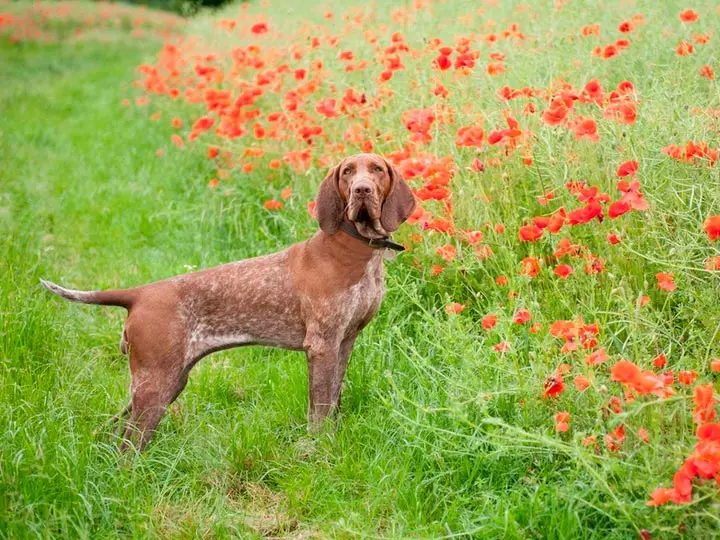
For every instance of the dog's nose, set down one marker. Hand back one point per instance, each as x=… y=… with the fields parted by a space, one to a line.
x=362 y=189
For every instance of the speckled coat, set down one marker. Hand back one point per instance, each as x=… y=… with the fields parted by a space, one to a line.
x=315 y=296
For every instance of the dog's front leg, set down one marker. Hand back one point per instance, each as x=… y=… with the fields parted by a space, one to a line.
x=323 y=359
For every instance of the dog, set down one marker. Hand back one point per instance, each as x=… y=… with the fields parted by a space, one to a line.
x=315 y=296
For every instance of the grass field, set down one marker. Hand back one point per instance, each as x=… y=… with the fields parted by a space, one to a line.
x=448 y=426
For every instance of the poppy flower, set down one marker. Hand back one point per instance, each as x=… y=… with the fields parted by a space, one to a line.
x=530 y=267
x=447 y=252
x=470 y=136
x=618 y=208
x=259 y=28
x=596 y=358
x=712 y=264
x=582 y=383
x=643 y=435
x=613 y=239
x=503 y=346
x=659 y=361
x=521 y=316
x=556 y=114
x=454 y=308
x=272 y=204
x=715 y=365
x=712 y=227
x=685 y=48
x=489 y=321
x=562 y=421
x=704 y=398
x=689 y=16
x=687 y=377
x=628 y=168
x=530 y=233
x=665 y=281
x=585 y=128
x=554 y=386
x=707 y=72
x=563 y=270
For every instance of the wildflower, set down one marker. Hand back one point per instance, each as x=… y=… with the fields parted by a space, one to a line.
x=554 y=386
x=562 y=421
x=563 y=270
x=712 y=227
x=272 y=204
x=581 y=383
x=659 y=361
x=628 y=168
x=489 y=321
x=665 y=281
x=689 y=16
x=522 y=316
x=454 y=308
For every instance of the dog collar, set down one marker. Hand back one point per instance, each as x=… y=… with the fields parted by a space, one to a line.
x=375 y=243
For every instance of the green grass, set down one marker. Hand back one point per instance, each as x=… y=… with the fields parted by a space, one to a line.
x=438 y=436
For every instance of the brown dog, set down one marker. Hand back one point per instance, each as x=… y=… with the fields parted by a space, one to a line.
x=315 y=296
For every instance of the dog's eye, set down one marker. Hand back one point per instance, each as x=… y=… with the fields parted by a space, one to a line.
x=346 y=172
x=378 y=168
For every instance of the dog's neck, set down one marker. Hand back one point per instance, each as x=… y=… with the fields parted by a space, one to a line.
x=381 y=243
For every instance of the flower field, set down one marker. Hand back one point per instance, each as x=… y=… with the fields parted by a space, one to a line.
x=547 y=359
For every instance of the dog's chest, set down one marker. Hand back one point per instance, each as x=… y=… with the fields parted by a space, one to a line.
x=364 y=298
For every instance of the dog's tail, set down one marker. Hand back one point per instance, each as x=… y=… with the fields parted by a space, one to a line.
x=116 y=297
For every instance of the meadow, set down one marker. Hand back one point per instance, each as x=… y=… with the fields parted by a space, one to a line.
x=546 y=360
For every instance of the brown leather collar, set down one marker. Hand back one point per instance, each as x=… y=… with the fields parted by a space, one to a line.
x=375 y=243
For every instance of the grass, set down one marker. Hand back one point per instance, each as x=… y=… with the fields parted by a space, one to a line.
x=439 y=436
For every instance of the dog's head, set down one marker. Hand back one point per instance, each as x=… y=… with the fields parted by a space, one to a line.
x=368 y=191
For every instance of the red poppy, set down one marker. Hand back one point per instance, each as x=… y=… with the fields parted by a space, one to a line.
x=447 y=252
x=712 y=227
x=454 y=308
x=689 y=16
x=530 y=233
x=563 y=270
x=685 y=48
x=530 y=266
x=628 y=168
x=489 y=321
x=687 y=377
x=596 y=358
x=556 y=114
x=707 y=72
x=665 y=281
x=259 y=28
x=521 y=316
x=704 y=398
x=660 y=361
x=470 y=136
x=582 y=383
x=554 y=386
x=562 y=421
x=618 y=208
x=585 y=128
x=272 y=204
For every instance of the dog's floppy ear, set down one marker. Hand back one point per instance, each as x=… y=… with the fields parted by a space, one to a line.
x=329 y=205
x=399 y=203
